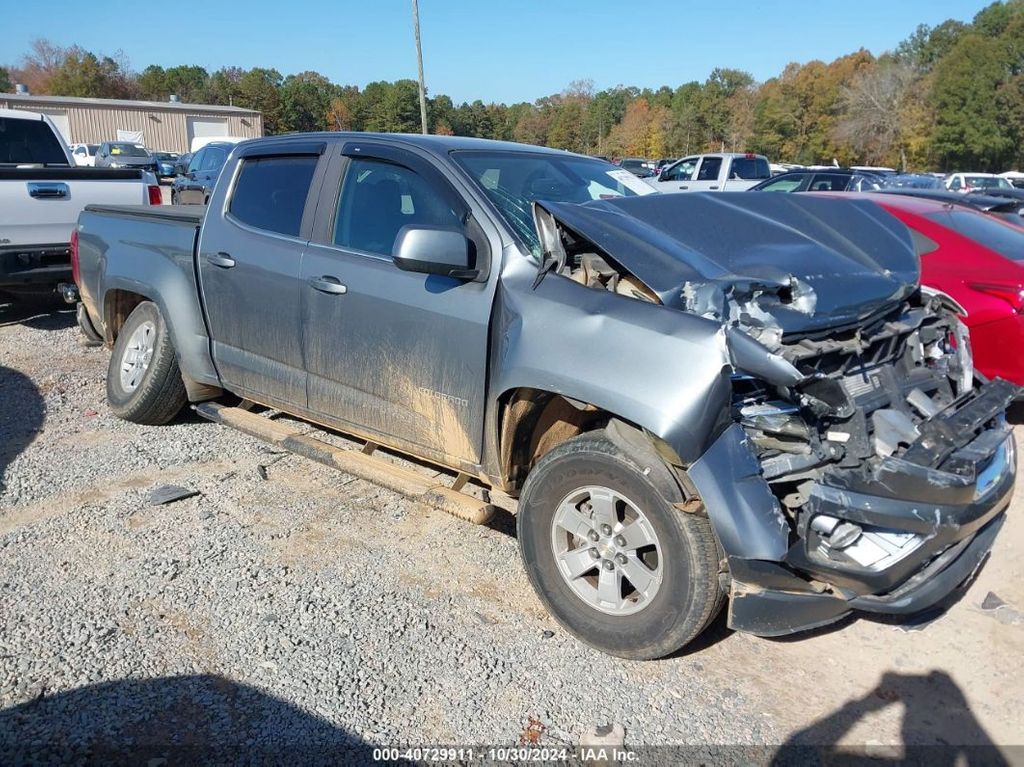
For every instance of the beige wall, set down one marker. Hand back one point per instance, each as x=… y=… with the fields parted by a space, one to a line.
x=165 y=130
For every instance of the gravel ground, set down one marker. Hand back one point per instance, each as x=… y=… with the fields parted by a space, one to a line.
x=312 y=609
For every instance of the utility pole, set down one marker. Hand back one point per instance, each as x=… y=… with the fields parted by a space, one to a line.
x=419 y=63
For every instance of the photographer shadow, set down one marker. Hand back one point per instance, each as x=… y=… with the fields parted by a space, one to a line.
x=204 y=719
x=938 y=728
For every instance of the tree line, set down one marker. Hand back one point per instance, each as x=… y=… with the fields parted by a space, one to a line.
x=948 y=97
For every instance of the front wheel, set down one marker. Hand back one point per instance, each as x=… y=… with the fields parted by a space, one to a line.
x=610 y=556
x=144 y=383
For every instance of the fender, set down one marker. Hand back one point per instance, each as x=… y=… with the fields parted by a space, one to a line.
x=662 y=369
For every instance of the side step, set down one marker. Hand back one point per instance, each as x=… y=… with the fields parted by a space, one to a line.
x=359 y=464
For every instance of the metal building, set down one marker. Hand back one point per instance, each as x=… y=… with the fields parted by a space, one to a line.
x=164 y=125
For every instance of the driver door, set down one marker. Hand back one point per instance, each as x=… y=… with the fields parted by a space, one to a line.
x=677 y=177
x=392 y=353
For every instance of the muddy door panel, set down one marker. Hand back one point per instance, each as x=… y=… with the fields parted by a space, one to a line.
x=249 y=260
x=395 y=353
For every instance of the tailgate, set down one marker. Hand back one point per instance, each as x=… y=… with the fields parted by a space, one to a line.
x=40 y=207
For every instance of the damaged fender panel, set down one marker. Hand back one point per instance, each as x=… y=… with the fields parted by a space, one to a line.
x=744 y=512
x=665 y=371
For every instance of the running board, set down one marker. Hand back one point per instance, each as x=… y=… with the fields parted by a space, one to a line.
x=355 y=462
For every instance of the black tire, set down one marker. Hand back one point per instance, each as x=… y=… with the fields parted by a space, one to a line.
x=689 y=596
x=160 y=394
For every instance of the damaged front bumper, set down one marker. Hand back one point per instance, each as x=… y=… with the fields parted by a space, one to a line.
x=894 y=535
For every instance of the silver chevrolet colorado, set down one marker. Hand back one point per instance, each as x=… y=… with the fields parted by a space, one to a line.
x=696 y=399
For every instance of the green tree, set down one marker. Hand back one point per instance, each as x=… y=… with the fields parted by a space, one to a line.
x=391 y=107
x=82 y=73
x=5 y=81
x=260 y=89
x=306 y=101
x=970 y=128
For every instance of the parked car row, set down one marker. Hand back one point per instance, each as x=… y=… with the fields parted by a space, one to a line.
x=695 y=398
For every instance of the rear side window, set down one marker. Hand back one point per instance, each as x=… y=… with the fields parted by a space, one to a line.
x=213 y=158
x=24 y=142
x=750 y=168
x=1004 y=239
x=271 y=192
x=709 y=169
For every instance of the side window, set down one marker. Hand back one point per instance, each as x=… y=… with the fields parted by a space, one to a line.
x=956 y=183
x=271 y=192
x=379 y=198
x=783 y=185
x=214 y=158
x=709 y=169
x=196 y=163
x=682 y=171
x=829 y=182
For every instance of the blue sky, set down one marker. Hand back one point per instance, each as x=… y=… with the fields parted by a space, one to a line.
x=500 y=50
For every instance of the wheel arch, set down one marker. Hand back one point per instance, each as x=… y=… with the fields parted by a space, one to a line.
x=535 y=421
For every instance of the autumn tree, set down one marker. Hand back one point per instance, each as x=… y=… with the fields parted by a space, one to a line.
x=877 y=114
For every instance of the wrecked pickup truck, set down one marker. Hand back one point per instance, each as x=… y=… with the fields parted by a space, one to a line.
x=695 y=398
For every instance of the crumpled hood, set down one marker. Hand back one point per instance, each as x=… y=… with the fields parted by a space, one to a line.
x=797 y=262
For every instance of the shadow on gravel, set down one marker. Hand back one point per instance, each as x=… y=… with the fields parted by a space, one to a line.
x=203 y=719
x=22 y=412
x=938 y=727
x=44 y=312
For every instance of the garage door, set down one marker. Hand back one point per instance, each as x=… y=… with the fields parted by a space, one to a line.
x=206 y=127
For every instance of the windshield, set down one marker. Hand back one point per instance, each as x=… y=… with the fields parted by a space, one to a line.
x=128 y=150
x=29 y=142
x=987 y=182
x=1002 y=238
x=512 y=181
x=164 y=156
x=750 y=168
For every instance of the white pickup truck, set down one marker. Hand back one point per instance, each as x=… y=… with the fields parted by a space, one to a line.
x=41 y=194
x=724 y=171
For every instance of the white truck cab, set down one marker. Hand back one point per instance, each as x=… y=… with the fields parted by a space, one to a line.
x=717 y=172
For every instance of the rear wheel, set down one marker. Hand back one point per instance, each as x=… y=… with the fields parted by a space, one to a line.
x=144 y=383
x=610 y=556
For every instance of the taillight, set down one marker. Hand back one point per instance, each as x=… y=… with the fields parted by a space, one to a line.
x=155 y=197
x=1012 y=294
x=75 y=271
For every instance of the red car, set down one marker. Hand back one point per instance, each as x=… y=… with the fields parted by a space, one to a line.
x=978 y=261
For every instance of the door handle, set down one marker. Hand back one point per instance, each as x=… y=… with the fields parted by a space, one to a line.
x=683 y=186
x=713 y=187
x=328 y=284
x=47 y=191
x=223 y=260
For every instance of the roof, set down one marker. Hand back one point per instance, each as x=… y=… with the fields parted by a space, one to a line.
x=20 y=114
x=178 y=106
x=429 y=142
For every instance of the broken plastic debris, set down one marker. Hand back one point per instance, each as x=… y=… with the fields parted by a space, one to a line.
x=162 y=494
x=991 y=602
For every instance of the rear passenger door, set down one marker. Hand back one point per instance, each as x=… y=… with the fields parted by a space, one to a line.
x=250 y=254
x=708 y=175
x=394 y=354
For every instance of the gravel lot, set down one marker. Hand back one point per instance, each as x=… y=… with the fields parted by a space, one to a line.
x=312 y=609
